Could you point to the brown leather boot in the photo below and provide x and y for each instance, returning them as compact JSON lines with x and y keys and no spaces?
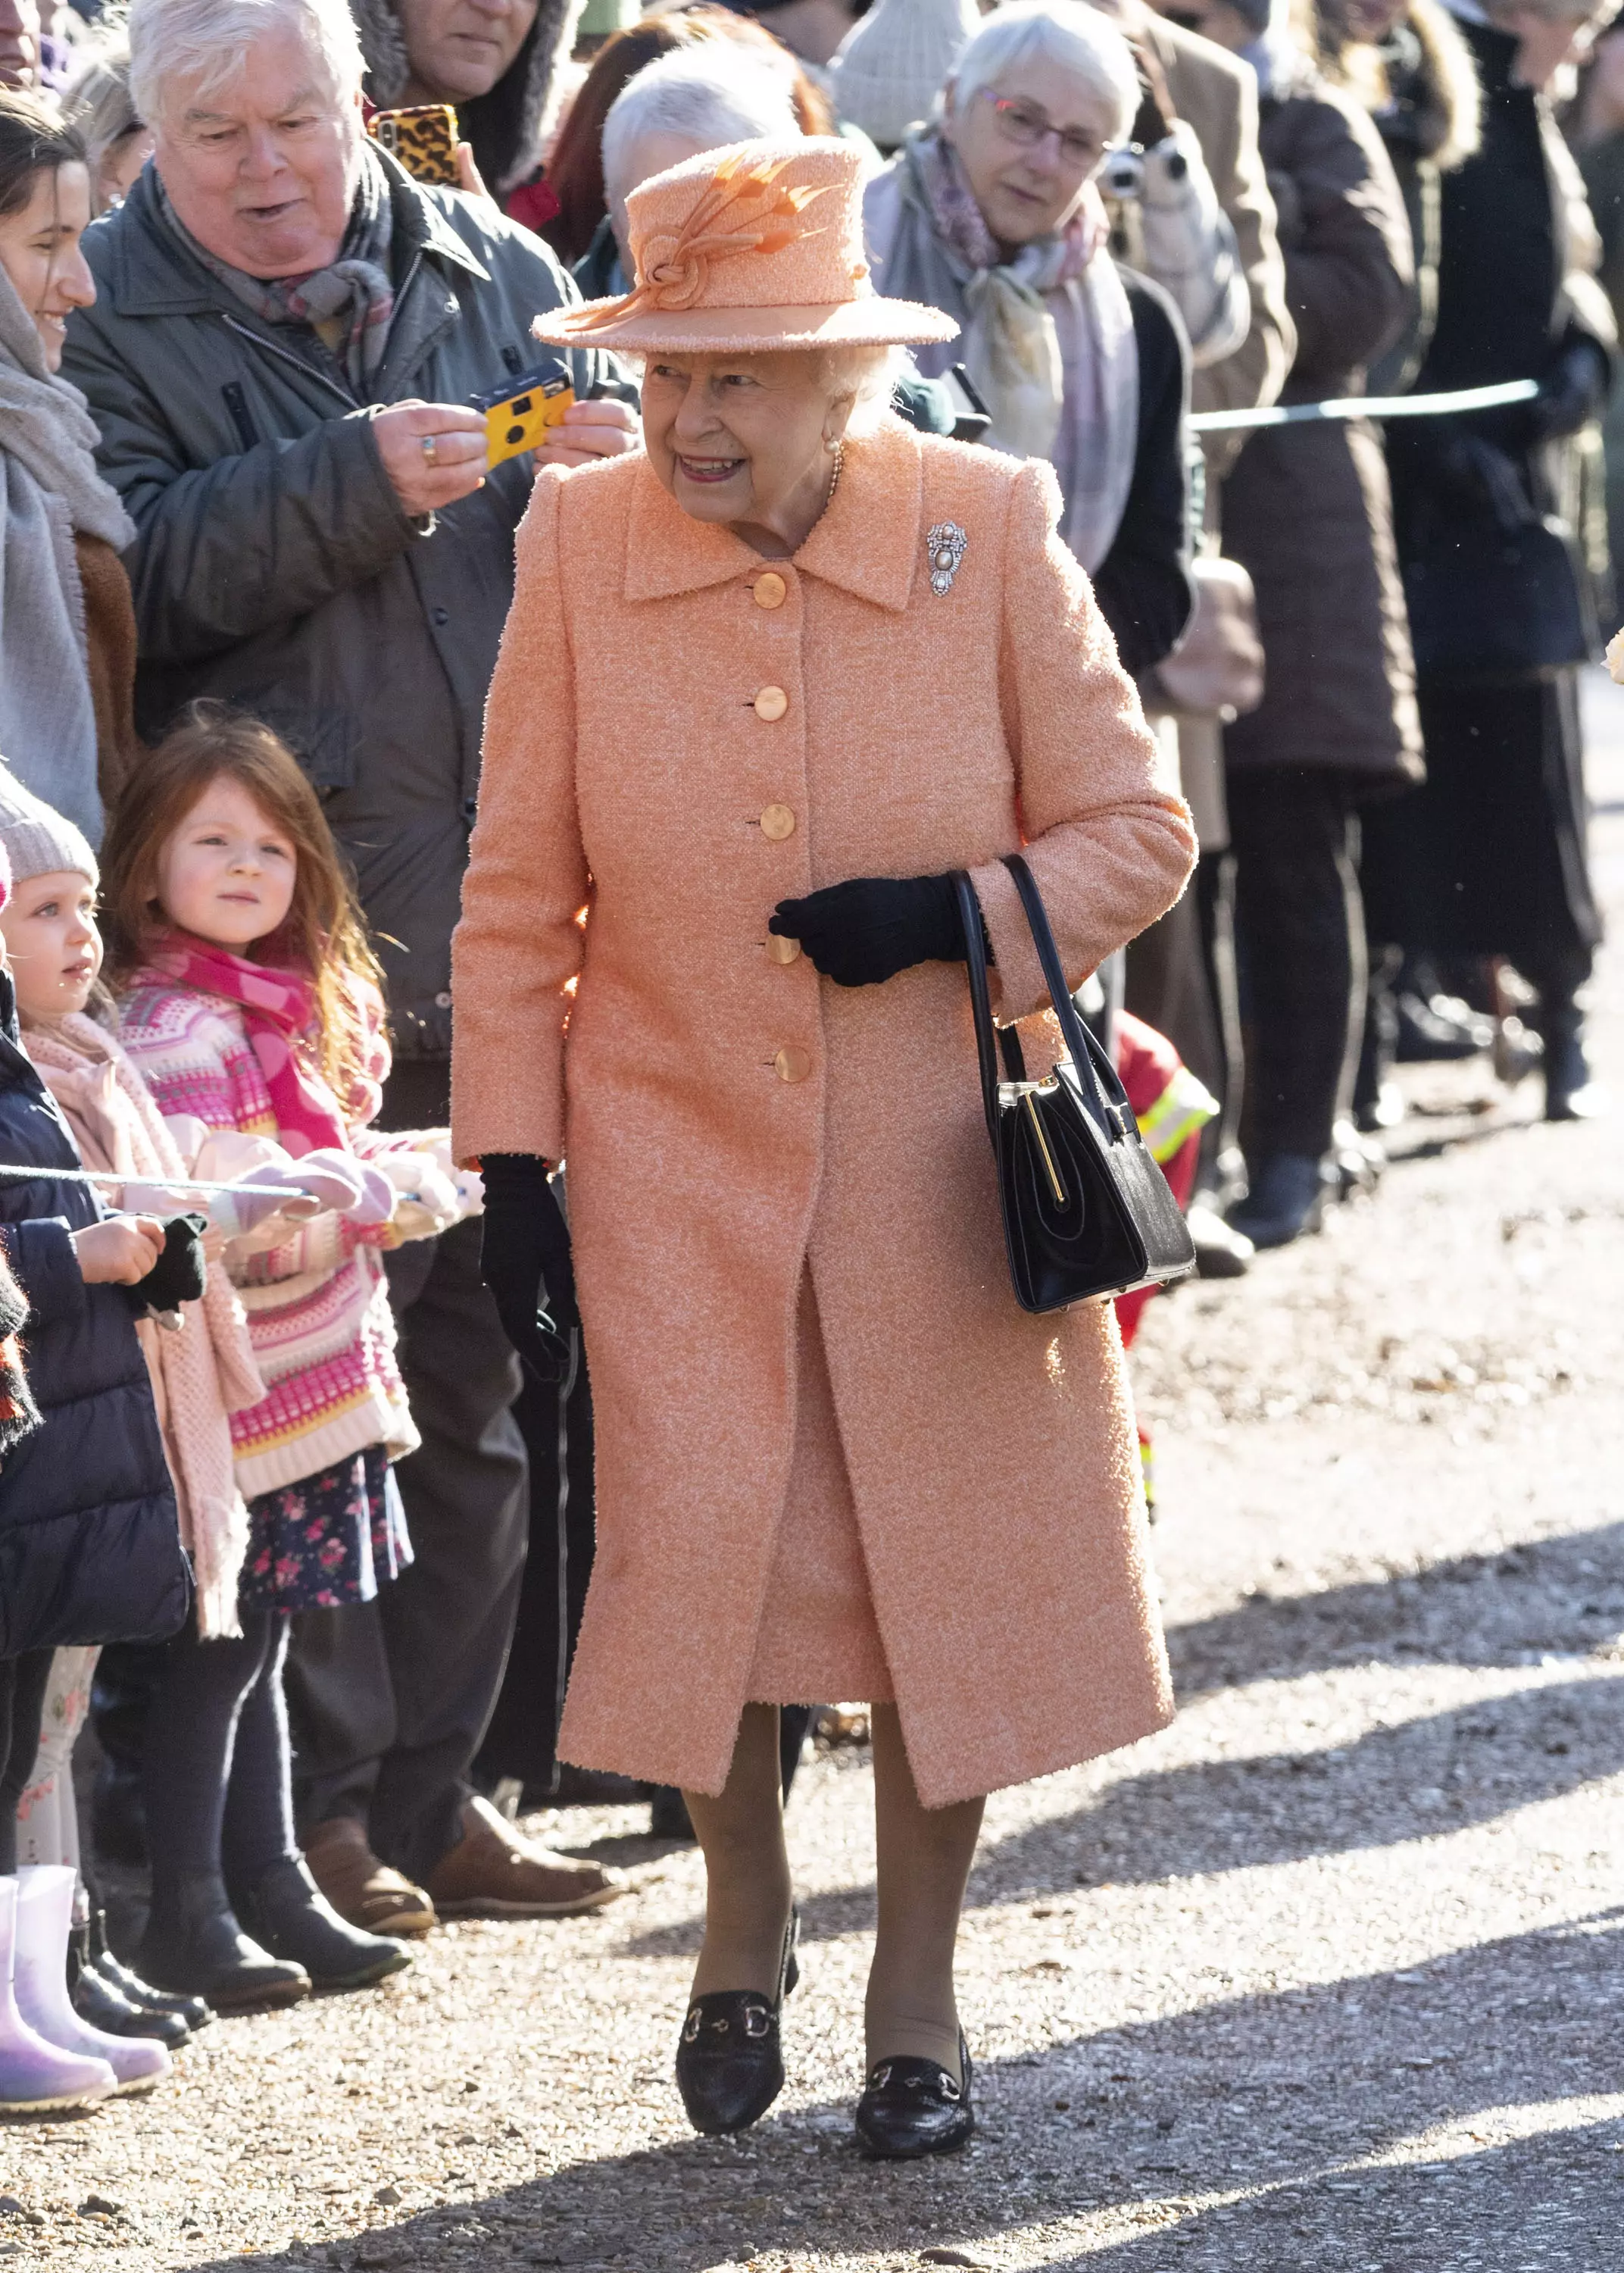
{"x":493,"y":1872}
{"x":361,"y":1888}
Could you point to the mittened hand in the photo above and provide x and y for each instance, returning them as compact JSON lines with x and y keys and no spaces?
{"x":525,"y":1262}
{"x":178,"y":1276}
{"x":861,"y":933}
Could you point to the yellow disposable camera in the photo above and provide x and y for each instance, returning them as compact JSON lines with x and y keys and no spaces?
{"x":518,"y":416}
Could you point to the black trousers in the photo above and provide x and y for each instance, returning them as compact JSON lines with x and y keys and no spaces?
{"x":555,"y":1419}
{"x":22,"y":1706}
{"x":389,"y":1700}
{"x":1299,"y":936}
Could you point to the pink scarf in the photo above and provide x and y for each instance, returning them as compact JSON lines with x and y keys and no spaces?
{"x":279,"y":1016}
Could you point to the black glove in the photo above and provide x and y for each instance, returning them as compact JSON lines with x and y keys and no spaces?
{"x":1571,"y":392}
{"x":868,"y":930}
{"x":524,"y":1259}
{"x":179,"y":1275}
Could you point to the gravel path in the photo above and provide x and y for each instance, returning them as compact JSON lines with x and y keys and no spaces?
{"x":1329,"y":1975}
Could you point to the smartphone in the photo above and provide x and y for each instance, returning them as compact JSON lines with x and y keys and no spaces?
{"x":424,"y":139}
{"x":518,"y":416}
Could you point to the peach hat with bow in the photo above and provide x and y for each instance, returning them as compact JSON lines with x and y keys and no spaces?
{"x":752,"y":249}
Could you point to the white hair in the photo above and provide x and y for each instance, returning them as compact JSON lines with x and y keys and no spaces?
{"x":205,"y":44}
{"x":712,"y":94}
{"x":1065,"y":34}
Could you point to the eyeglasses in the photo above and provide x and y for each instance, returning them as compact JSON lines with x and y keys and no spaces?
{"x":1027,"y":129}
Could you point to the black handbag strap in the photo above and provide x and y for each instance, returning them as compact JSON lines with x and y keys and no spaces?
{"x":1059,"y":994}
{"x":981,"y":1000}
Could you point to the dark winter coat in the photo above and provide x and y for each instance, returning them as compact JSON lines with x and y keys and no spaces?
{"x":1429,"y":124}
{"x":1516,"y":299}
{"x":505,"y":126}
{"x":275,"y":567}
{"x":90,"y":1548}
{"x":1490,"y":857}
{"x":1306,"y":509}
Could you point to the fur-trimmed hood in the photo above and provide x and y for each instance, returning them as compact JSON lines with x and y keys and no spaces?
{"x":1420,"y":85}
{"x":505,"y":126}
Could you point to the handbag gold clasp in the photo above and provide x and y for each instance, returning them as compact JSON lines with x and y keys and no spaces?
{"x":1023,"y":1094}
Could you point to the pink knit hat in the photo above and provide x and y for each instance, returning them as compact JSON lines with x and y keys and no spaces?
{"x":750,"y":250}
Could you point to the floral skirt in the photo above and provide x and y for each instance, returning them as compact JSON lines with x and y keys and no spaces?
{"x":332,"y":1538}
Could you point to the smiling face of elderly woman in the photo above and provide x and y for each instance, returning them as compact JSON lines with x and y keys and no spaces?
{"x":750,"y":440}
{"x":257,"y":149}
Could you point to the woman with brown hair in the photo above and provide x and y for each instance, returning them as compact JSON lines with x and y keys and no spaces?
{"x":575,"y":169}
{"x":67,"y":627}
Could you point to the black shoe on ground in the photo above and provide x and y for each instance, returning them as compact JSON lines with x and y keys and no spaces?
{"x":1287,"y":1198}
{"x":194,"y":1944}
{"x":132,"y":1989}
{"x":911,"y":2107}
{"x":101,"y":2005}
{"x":1571,"y":1091}
{"x":295,"y":1920}
{"x":1221,"y":1251}
{"x":729,"y":2060}
{"x":1439,"y":1029}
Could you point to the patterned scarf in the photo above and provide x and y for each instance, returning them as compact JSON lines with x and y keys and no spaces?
{"x":1047,"y":337}
{"x":279,"y":1016}
{"x":1010,"y":350}
{"x":357,"y":290}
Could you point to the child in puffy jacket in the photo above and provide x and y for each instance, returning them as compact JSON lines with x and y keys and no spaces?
{"x":250,"y":1005}
{"x":90,"y":1548}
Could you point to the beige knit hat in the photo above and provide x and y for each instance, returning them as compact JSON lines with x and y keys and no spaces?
{"x":891,"y":64}
{"x":37,"y":839}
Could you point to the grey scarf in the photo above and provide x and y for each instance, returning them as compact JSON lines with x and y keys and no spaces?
{"x":49,"y":492}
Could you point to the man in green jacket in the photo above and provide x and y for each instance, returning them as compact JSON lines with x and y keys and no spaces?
{"x":286,"y":332}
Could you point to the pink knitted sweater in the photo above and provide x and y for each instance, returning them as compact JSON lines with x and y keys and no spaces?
{"x":318,"y":1313}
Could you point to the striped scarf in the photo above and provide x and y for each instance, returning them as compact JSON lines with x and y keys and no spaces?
{"x":357,"y":290}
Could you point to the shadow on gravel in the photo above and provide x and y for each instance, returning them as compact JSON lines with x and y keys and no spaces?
{"x":1269,"y":2101}
{"x":1424,"y":1778}
{"x":1547,"y":1595}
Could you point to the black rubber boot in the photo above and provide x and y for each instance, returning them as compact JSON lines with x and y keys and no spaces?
{"x":102,"y":2006}
{"x":294,"y":1919}
{"x":193,"y":1943}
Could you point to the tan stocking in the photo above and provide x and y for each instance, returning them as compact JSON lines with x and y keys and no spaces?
{"x":923,"y":1855}
{"x":747,"y":1893}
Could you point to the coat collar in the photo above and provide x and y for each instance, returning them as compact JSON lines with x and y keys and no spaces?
{"x":150,"y":271}
{"x":869,"y":542}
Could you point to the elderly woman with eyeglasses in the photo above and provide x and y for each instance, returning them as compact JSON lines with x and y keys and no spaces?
{"x":990,"y":213}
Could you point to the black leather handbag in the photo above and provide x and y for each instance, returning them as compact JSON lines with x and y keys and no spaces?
{"x":1087,"y":1211}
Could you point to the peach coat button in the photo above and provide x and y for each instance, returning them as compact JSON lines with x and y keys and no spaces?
{"x":771,"y":704}
{"x":770,"y":589}
{"x":792,"y":1065}
{"x":782,"y":950}
{"x":777,"y":822}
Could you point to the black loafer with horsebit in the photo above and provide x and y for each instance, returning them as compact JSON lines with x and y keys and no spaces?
{"x":911,"y":2107}
{"x":729,"y":2062}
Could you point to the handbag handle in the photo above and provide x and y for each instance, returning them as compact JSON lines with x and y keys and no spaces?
{"x":981,"y":1000}
{"x":1054,"y":976}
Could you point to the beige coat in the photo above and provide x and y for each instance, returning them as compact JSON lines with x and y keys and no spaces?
{"x":735,"y":1125}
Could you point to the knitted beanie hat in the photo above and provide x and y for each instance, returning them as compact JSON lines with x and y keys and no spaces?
{"x":35,"y":839}
{"x":890,"y":67}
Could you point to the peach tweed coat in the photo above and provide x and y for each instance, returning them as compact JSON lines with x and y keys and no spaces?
{"x":732,"y":1123}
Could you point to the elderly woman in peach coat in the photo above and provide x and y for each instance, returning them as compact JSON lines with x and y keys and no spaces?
{"x":763,"y":687}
